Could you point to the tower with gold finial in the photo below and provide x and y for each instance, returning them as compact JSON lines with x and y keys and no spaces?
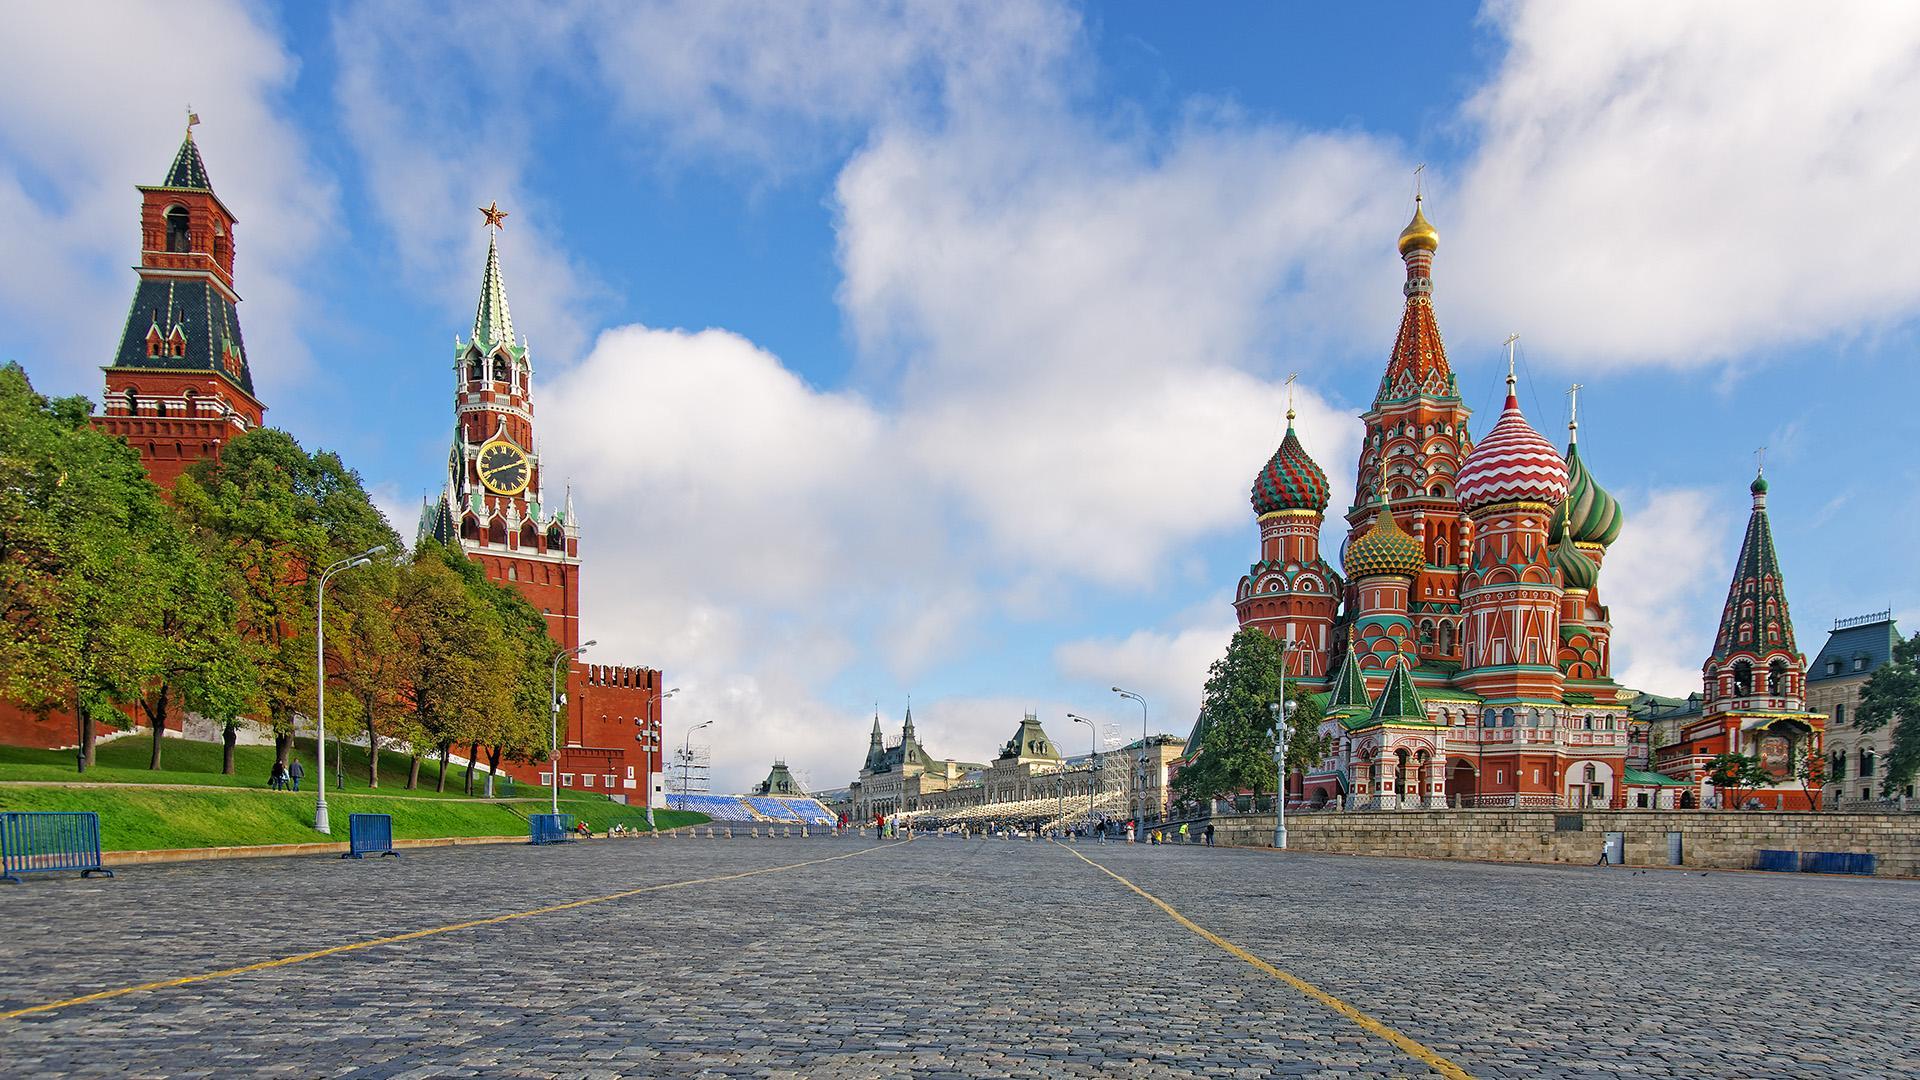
{"x":1415,"y":441}
{"x":1290,"y":592}
{"x":179,"y":387}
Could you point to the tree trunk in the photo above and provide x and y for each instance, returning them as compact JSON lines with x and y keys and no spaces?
{"x":157,"y":716}
{"x":373,"y":747}
{"x":228,"y":736}
{"x":413,"y":772}
{"x":493,"y":768}
{"x":472,"y":753}
{"x":441,"y":784}
{"x":282,"y":744}
{"x":83,"y":758}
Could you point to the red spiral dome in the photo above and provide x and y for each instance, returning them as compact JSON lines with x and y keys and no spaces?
{"x":1514,"y":463}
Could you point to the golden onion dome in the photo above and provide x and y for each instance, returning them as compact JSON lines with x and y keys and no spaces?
{"x":1419,"y":233}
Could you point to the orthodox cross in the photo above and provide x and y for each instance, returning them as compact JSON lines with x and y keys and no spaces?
{"x":496,"y":217}
{"x":1760,"y":460}
{"x":1417,"y":170}
{"x":1290,"y":377}
{"x":1573,"y":411}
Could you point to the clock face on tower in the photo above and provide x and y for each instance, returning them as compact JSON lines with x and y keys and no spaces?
{"x":504,"y":468}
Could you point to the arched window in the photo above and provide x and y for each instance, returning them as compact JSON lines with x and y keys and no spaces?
{"x":474,"y":371}
{"x":1837,"y":765}
{"x":1506,"y":717}
{"x":499,"y":370}
{"x":1742,"y":678}
{"x":133,"y":403}
{"x":1777,"y":677}
{"x":1486,"y":718}
{"x":1591,"y":774}
{"x":179,"y":238}
{"x":1426,"y":631}
{"x":1840,"y":714}
{"x":1586,"y":723}
{"x":1866,"y":763}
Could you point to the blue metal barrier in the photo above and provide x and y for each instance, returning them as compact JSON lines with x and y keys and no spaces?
{"x":1776,"y":860}
{"x":549,"y":828}
{"x":43,"y":843}
{"x":1836,"y":862}
{"x":369,"y":834}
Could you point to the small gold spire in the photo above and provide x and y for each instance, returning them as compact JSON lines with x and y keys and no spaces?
{"x":1419,"y":233}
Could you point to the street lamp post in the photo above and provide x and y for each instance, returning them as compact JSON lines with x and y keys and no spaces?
{"x":686,"y":757}
{"x":1140,"y":812}
{"x":554,"y":760}
{"x":1093,"y":763}
{"x":320,"y":823}
{"x":653,"y":737}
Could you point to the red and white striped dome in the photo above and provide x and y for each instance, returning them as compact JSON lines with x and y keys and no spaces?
{"x":1512,"y":464}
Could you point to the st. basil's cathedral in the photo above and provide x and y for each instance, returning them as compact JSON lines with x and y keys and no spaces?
{"x":1464,"y":656}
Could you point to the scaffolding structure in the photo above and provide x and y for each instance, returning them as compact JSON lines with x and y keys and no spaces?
{"x":692,"y":770}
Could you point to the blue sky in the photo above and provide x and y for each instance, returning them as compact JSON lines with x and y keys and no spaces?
{"x":930,"y":348}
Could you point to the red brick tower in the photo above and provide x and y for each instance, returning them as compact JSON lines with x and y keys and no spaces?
{"x":179,"y":386}
{"x":1416,"y":439}
{"x":495,"y":507}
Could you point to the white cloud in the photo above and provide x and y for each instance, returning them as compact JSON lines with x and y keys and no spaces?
{"x":83,"y":124}
{"x":1167,"y":667}
{"x":1677,"y":183}
{"x":1664,"y":581}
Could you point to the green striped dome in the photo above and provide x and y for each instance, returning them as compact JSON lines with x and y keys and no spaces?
{"x":1384,"y":549}
{"x":1592,"y":515}
{"x":1577,"y":570}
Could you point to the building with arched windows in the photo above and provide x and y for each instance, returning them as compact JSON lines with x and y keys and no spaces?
{"x":1855,"y":649}
{"x":1463,"y":650}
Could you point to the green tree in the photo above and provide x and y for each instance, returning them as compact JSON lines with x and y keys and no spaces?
{"x":276,"y":512}
{"x":81,"y":537}
{"x":1892,"y":696}
{"x":1236,"y":724}
{"x":1734,"y":773}
{"x":366,"y":664}
{"x":460,"y":667}
{"x":200,"y":664}
{"x":521,"y":732}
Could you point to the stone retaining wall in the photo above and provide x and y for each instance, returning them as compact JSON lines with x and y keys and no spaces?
{"x":1710,"y":839}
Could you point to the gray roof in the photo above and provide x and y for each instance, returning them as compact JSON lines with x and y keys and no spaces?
{"x":206,"y":320}
{"x":1871,"y":640}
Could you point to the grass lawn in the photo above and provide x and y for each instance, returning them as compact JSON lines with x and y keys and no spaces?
{"x":184,"y":761}
{"x":239,"y":809}
{"x":132,"y":819}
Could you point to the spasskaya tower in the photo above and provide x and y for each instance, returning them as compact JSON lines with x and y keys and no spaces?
{"x":495,"y":505}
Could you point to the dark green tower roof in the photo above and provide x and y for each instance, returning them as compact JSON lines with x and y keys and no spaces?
{"x":1399,"y":699}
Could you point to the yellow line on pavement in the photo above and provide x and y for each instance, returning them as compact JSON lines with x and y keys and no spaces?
{"x":1413,"y":1047}
{"x":413,"y":935}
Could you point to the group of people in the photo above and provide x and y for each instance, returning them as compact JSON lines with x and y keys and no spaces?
{"x":286,"y":775}
{"x":1159,"y":836}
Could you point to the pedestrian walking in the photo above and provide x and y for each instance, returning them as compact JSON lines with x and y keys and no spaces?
{"x":1183,"y":832}
{"x":1209,"y":834}
{"x":295,"y":771}
{"x":277,"y":776}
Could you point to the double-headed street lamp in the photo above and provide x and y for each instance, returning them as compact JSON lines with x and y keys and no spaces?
{"x":655,"y":737}
{"x":554,"y":761}
{"x":320,"y":823}
{"x":1140,"y":812}
{"x":1282,"y":712}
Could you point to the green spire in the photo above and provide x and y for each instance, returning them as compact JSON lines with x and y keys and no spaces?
{"x":492,"y":322}
{"x":1349,"y":686}
{"x":1399,"y":700}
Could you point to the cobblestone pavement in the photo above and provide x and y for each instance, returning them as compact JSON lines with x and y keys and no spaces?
{"x":953,"y":957}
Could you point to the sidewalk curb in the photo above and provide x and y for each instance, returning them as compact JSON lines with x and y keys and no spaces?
{"x":269,"y":851}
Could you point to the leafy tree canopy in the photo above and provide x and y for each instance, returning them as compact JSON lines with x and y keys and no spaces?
{"x":1892,"y":696}
{"x":1236,"y":732}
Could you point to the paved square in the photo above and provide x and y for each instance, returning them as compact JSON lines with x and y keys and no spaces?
{"x":949,"y":957}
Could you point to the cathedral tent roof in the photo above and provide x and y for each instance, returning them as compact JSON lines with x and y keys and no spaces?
{"x":1399,"y":699}
{"x":492,"y":320}
{"x":1756,"y":618}
{"x":187,"y":170}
